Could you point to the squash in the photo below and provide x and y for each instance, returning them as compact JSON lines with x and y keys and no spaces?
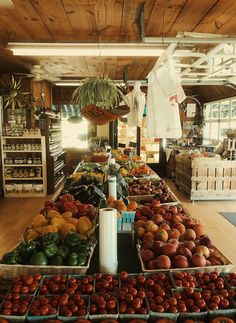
{"x":31,"y":234}
{"x":67,"y":227}
{"x":221,"y":319}
{"x":53,"y":213}
{"x":49,"y":229}
{"x":39,"y":220}
{"x":84,"y":225}
{"x":67,"y":215}
{"x":73,"y":221}
{"x":58,"y":222}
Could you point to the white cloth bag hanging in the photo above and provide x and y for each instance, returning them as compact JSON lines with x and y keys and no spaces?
{"x":164,"y":94}
{"x":136,"y":102}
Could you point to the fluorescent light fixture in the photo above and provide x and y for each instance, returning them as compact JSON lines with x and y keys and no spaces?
{"x":92,"y":49}
{"x":67,"y":83}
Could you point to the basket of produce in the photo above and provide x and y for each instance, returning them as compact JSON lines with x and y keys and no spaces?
{"x":61,"y":239}
{"x":140,"y":189}
{"x":169,"y":238}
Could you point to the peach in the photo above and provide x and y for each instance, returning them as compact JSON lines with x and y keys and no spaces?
{"x":175,"y":242}
{"x":163,"y":262}
{"x":176,"y":218}
{"x":140,"y":231}
{"x":149,"y":236}
{"x":199,"y":230}
{"x":132,"y":205}
{"x":184,"y":252}
{"x":189,"y":234}
{"x":180,"y":227}
{"x":147,"y":244}
{"x":198,"y":260}
{"x":151,"y":226}
{"x":151,"y":265}
{"x":157,"y":247}
{"x":164,"y":226}
{"x":162,"y":235}
{"x":169,"y":249}
{"x":173,"y":234}
{"x":203,"y":250}
{"x":180,"y":261}
{"x":147,"y":255}
{"x":189,"y":244}
{"x":157,"y":218}
{"x":140,"y":223}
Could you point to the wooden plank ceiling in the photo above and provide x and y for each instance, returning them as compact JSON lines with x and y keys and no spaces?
{"x":104,"y":21}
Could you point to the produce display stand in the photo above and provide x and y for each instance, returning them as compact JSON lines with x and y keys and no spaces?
{"x":206,"y":178}
{"x":10,"y":271}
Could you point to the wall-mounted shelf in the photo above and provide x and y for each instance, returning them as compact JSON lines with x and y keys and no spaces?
{"x":24,"y":186}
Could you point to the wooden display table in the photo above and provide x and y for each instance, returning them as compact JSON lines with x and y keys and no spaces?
{"x":206,"y":178}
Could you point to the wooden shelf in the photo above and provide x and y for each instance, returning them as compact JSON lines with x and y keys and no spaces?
{"x":23,"y":178}
{"x":22,"y":137}
{"x":26,"y":194}
{"x":22,"y":151}
{"x":22,"y":165}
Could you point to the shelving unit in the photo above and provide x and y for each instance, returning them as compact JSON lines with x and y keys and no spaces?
{"x":54,"y":152}
{"x":16,"y":179}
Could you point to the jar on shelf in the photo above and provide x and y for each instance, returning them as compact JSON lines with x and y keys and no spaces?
{"x":29,"y":160}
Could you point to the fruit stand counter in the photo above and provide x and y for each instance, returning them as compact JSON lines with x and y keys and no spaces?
{"x":206,"y":178}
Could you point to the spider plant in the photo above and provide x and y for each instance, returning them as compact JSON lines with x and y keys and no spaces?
{"x":100,"y":91}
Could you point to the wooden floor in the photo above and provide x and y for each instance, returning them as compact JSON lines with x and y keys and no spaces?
{"x":17,"y":213}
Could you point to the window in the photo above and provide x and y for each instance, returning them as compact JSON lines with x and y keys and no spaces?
{"x":74,"y":128}
{"x":218,"y":116}
{"x":74,"y":135}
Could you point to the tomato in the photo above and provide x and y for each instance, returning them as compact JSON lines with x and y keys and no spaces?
{"x":123,"y":275}
{"x":44,"y":310}
{"x":7,"y":304}
{"x":17,"y":288}
{"x":52,"y":310}
{"x":28,"y":280}
{"x":15,"y":296}
{"x":6,"y":311}
{"x":56,"y":278}
{"x":63,"y":300}
{"x":224,"y":303}
{"x":22,"y":309}
{"x":37,"y":277}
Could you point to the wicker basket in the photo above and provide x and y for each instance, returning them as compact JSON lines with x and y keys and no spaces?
{"x":10,"y":271}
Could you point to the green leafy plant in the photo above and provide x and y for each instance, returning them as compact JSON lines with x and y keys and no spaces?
{"x":13,"y":94}
{"x":99,"y":91}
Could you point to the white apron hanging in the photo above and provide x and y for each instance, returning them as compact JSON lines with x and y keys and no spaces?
{"x":164,"y":94}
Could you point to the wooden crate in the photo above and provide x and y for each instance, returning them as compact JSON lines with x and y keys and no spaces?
{"x":207,"y":178}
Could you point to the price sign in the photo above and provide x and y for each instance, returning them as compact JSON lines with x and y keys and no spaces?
{"x":132,"y":144}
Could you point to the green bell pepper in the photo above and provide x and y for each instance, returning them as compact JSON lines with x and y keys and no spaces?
{"x":10,"y":258}
{"x":39,"y":259}
{"x":56,"y":261}
{"x":49,"y":249}
{"x":27,"y":249}
{"x":63,"y":251}
{"x":51,"y":237}
{"x":72,"y":259}
{"x":82,"y":259}
{"x":72,"y":239}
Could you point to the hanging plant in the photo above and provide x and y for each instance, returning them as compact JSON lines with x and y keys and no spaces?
{"x":99,"y":98}
{"x":13,"y":94}
{"x":99,"y":91}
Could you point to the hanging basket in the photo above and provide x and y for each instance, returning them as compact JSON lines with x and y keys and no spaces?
{"x":99,"y":116}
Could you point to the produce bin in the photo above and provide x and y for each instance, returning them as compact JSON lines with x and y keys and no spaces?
{"x":9,"y":271}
